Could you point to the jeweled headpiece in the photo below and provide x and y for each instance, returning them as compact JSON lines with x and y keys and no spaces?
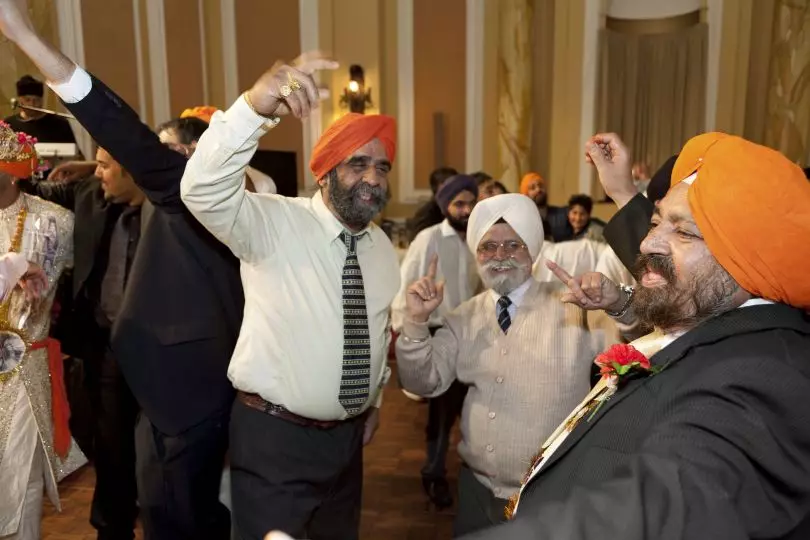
{"x":18,"y":155}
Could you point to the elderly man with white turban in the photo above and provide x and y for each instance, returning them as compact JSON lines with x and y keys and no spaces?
{"x":525,"y":356}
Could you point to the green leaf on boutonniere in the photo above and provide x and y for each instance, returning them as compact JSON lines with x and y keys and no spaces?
{"x":623,"y":370}
{"x":616,"y":367}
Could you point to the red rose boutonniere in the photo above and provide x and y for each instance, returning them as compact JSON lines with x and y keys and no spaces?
{"x":615,"y":364}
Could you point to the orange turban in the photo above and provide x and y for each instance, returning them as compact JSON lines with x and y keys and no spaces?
{"x":18,"y":155}
{"x":203,"y":112}
{"x":752,"y":206}
{"x":349,"y":133}
{"x":528,"y":179}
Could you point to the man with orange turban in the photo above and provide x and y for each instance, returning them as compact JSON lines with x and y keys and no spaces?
{"x":555,"y":218}
{"x":319,"y":277}
{"x":36,"y":448}
{"x":698,"y":430}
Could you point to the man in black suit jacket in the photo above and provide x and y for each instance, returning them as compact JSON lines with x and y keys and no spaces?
{"x":714,"y":445}
{"x":109,"y":220}
{"x":180,"y":316}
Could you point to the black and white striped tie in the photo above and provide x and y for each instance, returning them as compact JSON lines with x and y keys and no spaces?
{"x":356,"y":373}
{"x":504,"y":320}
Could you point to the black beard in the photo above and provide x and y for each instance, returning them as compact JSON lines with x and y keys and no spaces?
{"x":679,"y":305}
{"x":346,"y":202}
{"x":459,"y":225}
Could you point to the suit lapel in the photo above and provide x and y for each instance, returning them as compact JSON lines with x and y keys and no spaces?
{"x":739,"y":321}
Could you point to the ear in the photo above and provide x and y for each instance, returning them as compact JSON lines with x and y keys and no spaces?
{"x":323,"y":181}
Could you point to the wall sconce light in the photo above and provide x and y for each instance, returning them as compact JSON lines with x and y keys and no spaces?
{"x":356,"y":96}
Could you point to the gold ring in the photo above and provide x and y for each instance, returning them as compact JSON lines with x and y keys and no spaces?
{"x":286,"y":91}
{"x":293,"y":82}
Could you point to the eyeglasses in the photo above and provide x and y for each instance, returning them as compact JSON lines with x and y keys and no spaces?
{"x":510,"y":247}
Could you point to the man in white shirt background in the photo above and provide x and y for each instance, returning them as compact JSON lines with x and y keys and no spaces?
{"x":444,"y":247}
{"x":525,"y":356}
{"x":319,"y":278}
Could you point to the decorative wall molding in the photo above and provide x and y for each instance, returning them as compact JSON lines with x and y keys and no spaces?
{"x":158,"y":63}
{"x":71,"y":42}
{"x":405,"y":108}
{"x":590,"y":69}
{"x":474,"y":141}
{"x":714,"y":17}
{"x":204,"y":57}
{"x":229,"y":57}
{"x":309,"y":19}
{"x":139,"y":68}
{"x":646,"y":9}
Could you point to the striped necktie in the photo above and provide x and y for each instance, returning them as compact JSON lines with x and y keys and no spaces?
{"x":356,"y":373}
{"x":504,"y":320}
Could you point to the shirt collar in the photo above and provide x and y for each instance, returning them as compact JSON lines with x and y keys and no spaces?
{"x":332,"y":224}
{"x":517,"y":295}
{"x":447,"y":229}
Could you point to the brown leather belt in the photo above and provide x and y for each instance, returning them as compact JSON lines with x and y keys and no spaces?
{"x":255,"y":401}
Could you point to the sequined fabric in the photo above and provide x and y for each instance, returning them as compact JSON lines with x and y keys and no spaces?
{"x":48,"y":242}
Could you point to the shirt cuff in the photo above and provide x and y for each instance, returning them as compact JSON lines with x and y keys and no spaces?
{"x":245,"y":123}
{"x":415,"y":330}
{"x":75,"y":89}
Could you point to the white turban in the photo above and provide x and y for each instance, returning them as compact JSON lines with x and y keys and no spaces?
{"x":519,"y":211}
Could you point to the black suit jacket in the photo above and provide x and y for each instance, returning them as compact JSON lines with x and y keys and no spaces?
{"x":716,"y":446}
{"x":628,"y":227}
{"x":78,"y":331}
{"x":183,"y":306}
{"x":427,"y":215}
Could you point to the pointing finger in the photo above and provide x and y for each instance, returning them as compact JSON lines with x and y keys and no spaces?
{"x":558,"y":272}
{"x":433,"y":267}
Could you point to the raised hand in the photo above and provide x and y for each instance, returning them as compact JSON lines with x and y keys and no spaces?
{"x":72,"y":171}
{"x":614,"y":164}
{"x":590,"y":291}
{"x":425,"y":295}
{"x":290,"y":89}
{"x":34,"y":282}
{"x":15,"y":22}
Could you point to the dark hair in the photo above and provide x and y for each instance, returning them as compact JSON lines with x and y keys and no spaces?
{"x":438,"y":177}
{"x":29,"y":86}
{"x":502,"y":187}
{"x":189,"y":130}
{"x":482,"y":177}
{"x":581,"y":200}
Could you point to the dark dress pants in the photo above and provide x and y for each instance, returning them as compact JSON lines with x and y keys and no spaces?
{"x":478,"y":508}
{"x":114,"y":412}
{"x":442,"y":413}
{"x":305,"y":481}
{"x":179,"y":478}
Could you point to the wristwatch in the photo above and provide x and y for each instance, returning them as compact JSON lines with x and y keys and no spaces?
{"x":629,"y":291}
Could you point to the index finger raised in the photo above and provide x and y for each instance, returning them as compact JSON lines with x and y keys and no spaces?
{"x":558,"y":272}
{"x":312,"y":61}
{"x":433,"y":267}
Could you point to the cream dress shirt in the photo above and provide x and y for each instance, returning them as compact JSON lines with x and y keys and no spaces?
{"x":290,"y":348}
{"x":457,"y":268}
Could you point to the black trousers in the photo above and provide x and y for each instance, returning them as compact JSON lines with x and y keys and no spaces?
{"x":114,"y":412}
{"x":305,"y":481}
{"x":478,"y":508}
{"x":442,"y":413}
{"x":179,"y":478}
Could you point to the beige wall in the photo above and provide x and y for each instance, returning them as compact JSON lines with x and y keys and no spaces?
{"x":439,"y":30}
{"x":365,"y":32}
{"x":258,"y":48}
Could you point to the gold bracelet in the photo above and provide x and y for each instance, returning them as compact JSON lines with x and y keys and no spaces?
{"x":246,"y":95}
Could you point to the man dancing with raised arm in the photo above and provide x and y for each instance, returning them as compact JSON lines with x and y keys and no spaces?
{"x":319,"y":278}
{"x":180,"y":315}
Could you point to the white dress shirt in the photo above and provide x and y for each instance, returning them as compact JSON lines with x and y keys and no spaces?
{"x":457,"y":268}
{"x":516,"y":297}
{"x":290,"y":348}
